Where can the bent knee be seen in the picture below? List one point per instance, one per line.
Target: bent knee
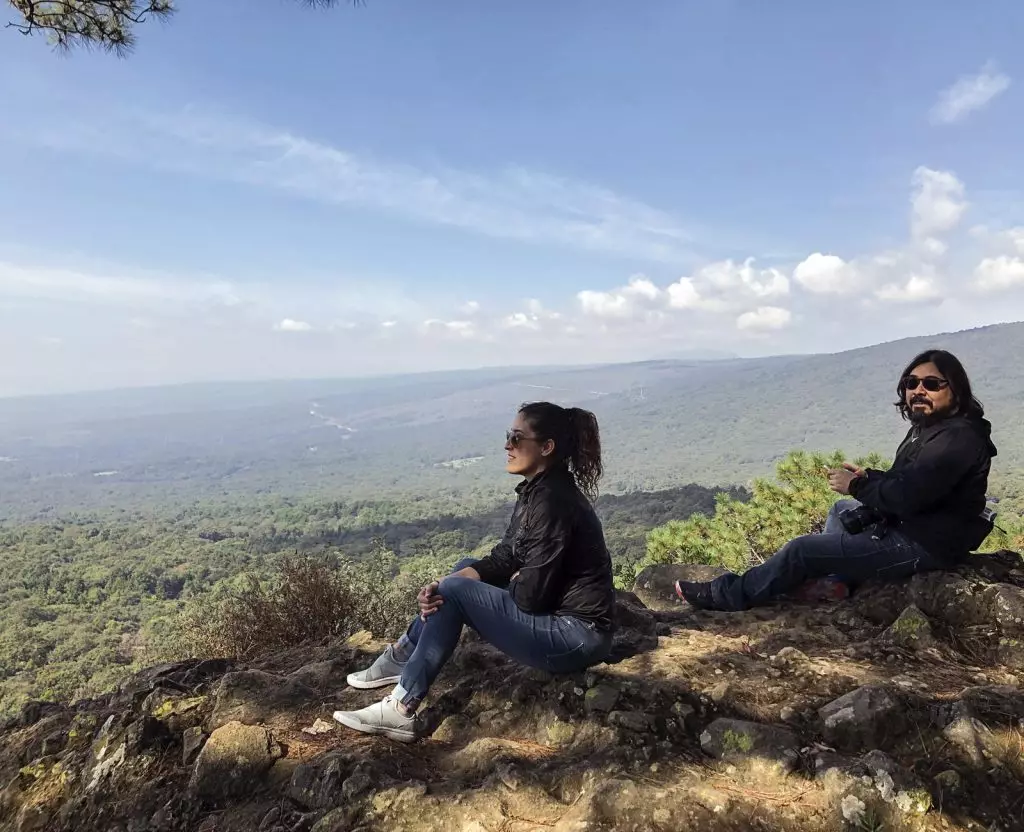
(465, 563)
(454, 585)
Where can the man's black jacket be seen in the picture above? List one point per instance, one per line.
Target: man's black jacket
(555, 542)
(935, 491)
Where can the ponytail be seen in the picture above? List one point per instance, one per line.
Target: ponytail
(577, 440)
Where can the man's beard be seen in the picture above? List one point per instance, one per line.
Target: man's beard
(926, 417)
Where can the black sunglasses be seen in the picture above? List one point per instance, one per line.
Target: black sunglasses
(933, 384)
(515, 439)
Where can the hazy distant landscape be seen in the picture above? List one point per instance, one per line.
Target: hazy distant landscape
(665, 423)
(122, 511)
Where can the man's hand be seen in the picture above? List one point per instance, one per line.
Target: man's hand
(839, 479)
(429, 601)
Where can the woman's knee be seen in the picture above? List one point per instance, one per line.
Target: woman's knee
(452, 586)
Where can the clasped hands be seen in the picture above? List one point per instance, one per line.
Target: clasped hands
(430, 601)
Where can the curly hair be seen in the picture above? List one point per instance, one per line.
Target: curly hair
(577, 440)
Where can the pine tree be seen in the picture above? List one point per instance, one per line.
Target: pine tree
(106, 24)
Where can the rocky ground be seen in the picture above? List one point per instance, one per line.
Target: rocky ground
(898, 709)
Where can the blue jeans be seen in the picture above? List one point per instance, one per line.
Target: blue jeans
(854, 558)
(556, 643)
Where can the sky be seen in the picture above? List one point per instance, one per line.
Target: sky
(262, 190)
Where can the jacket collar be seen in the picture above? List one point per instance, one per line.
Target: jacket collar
(558, 473)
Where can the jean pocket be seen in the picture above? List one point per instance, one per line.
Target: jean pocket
(567, 661)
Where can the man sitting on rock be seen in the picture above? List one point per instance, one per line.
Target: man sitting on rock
(926, 512)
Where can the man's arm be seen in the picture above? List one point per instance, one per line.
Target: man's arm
(941, 463)
(538, 585)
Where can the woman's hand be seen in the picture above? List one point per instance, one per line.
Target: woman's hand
(428, 600)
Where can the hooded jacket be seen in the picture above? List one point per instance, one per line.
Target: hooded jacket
(555, 543)
(935, 491)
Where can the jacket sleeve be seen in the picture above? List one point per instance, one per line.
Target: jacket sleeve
(941, 463)
(500, 565)
(542, 547)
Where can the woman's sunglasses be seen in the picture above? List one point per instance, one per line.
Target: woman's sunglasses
(514, 439)
(933, 384)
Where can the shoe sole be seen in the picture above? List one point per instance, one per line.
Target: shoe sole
(391, 733)
(355, 682)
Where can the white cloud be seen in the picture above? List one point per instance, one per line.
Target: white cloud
(826, 274)
(291, 325)
(388, 324)
(761, 283)
(534, 318)
(631, 300)
(918, 288)
(684, 295)
(470, 308)
(764, 318)
(68, 285)
(969, 94)
(461, 329)
(513, 203)
(937, 203)
(995, 274)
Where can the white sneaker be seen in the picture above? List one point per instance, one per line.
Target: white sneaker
(384, 672)
(381, 718)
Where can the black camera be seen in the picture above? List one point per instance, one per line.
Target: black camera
(859, 519)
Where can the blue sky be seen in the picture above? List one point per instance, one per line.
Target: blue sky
(262, 190)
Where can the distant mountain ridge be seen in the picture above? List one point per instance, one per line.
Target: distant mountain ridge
(664, 423)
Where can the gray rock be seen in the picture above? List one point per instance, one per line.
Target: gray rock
(864, 717)
(875, 784)
(191, 741)
(788, 658)
(600, 699)
(993, 702)
(630, 720)
(912, 631)
(949, 780)
(323, 676)
(317, 784)
(252, 697)
(232, 761)
(950, 597)
(733, 740)
(358, 783)
(655, 585)
(1008, 609)
(971, 737)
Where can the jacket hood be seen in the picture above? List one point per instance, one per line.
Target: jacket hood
(981, 426)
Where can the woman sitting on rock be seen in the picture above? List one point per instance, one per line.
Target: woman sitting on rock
(544, 595)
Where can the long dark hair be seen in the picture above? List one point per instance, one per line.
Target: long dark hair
(964, 403)
(577, 440)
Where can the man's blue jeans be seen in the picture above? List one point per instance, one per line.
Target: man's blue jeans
(854, 558)
(556, 643)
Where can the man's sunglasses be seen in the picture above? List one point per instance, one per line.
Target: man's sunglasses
(933, 384)
(514, 439)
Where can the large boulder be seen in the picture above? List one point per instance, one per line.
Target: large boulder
(323, 676)
(734, 740)
(253, 697)
(655, 585)
(317, 784)
(233, 761)
(637, 628)
(862, 718)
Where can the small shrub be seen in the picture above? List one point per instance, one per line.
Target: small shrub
(305, 600)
